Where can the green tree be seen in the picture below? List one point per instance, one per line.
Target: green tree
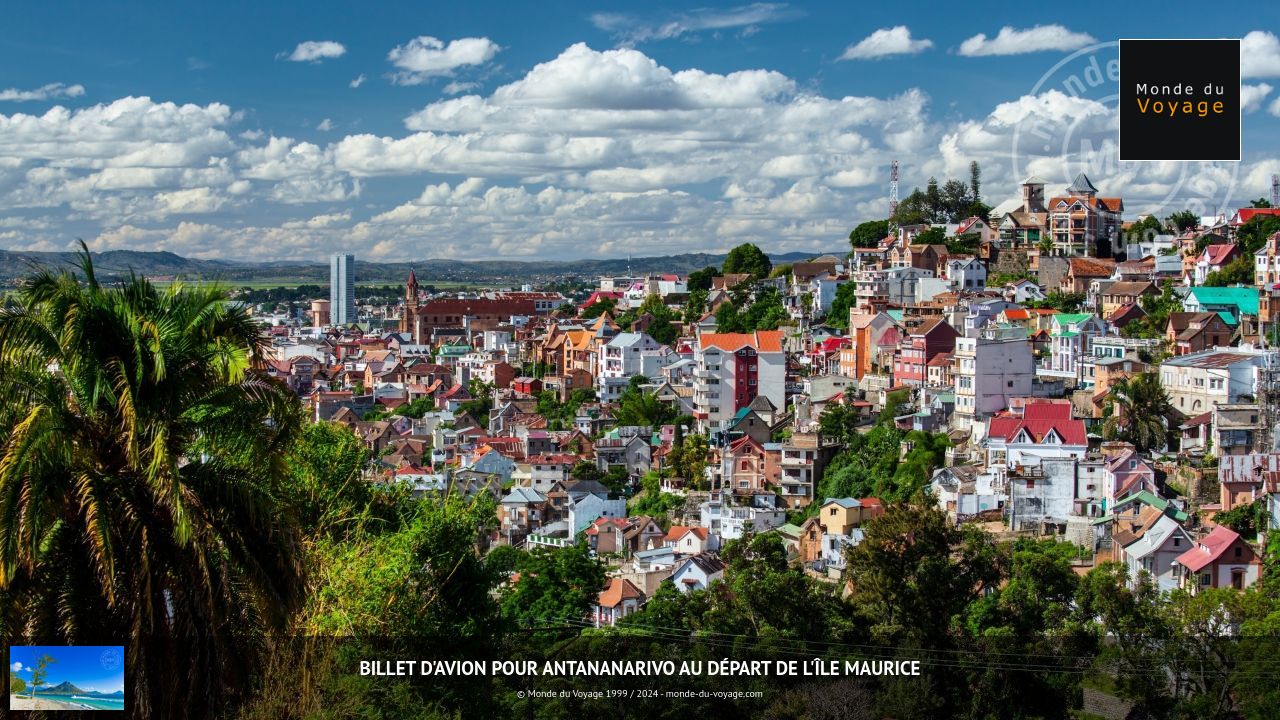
(914, 571)
(838, 315)
(598, 308)
(936, 235)
(696, 306)
(328, 491)
(637, 407)
(1067, 302)
(749, 259)
(141, 477)
(869, 234)
(40, 673)
(1185, 220)
(1252, 235)
(701, 279)
(16, 684)
(555, 585)
(1138, 410)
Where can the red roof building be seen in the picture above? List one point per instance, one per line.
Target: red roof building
(1221, 559)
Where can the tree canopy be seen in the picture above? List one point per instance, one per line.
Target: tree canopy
(749, 259)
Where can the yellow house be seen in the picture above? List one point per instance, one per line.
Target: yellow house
(840, 515)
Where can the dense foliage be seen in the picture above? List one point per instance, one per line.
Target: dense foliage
(141, 473)
(749, 259)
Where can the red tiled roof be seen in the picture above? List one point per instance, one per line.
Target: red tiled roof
(1209, 549)
(1218, 254)
(617, 590)
(1038, 419)
(1247, 214)
(678, 531)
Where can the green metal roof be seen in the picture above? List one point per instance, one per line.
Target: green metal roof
(1244, 298)
(1228, 318)
(1071, 318)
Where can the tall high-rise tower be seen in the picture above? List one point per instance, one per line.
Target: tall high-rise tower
(342, 289)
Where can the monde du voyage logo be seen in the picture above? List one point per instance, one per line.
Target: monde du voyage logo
(1180, 100)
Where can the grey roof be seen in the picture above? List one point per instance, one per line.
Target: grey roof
(1082, 185)
(844, 502)
(521, 494)
(708, 564)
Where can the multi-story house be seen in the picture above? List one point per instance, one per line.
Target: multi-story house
(920, 343)
(1150, 547)
(1080, 222)
(623, 357)
(965, 272)
(731, 369)
(1236, 302)
(748, 465)
(1198, 381)
(1042, 430)
(1191, 332)
(1125, 292)
(988, 371)
(1213, 259)
(865, 333)
(1266, 263)
(1237, 428)
(1025, 226)
(1070, 340)
(803, 459)
(1125, 473)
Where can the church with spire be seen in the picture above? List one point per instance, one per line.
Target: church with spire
(408, 319)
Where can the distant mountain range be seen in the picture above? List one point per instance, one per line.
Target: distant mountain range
(115, 263)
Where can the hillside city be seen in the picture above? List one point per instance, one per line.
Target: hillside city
(1030, 447)
(1042, 369)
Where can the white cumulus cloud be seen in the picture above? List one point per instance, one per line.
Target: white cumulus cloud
(1252, 96)
(425, 57)
(885, 42)
(1012, 41)
(1260, 55)
(317, 50)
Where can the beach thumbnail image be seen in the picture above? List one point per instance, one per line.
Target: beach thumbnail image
(66, 677)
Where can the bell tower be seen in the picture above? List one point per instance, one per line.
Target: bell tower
(409, 319)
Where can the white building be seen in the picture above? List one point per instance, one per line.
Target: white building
(966, 273)
(731, 369)
(989, 370)
(1071, 339)
(1198, 381)
(1154, 551)
(623, 357)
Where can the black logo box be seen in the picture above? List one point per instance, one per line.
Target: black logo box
(1194, 65)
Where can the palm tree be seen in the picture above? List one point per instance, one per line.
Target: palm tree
(141, 466)
(1139, 407)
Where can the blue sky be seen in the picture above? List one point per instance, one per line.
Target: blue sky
(82, 666)
(410, 130)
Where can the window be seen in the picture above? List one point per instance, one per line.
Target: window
(1177, 541)
(1205, 580)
